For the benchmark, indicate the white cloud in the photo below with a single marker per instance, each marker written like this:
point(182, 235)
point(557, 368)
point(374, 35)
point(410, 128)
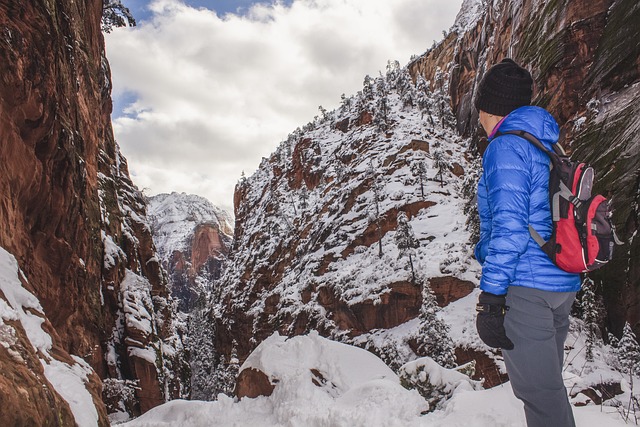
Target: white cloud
point(213, 95)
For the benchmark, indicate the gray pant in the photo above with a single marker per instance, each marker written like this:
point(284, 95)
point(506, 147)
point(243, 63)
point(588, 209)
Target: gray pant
point(538, 322)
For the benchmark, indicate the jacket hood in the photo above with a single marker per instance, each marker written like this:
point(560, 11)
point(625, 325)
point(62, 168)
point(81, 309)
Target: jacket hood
point(535, 120)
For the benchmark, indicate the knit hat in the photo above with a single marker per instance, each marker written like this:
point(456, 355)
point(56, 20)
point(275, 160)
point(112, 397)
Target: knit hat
point(505, 87)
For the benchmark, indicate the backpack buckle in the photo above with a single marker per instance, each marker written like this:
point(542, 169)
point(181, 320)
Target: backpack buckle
point(576, 202)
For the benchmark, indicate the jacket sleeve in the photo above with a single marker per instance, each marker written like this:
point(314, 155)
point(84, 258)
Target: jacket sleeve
point(508, 180)
point(485, 222)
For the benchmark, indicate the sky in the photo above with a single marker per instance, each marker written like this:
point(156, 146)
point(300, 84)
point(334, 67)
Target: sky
point(203, 90)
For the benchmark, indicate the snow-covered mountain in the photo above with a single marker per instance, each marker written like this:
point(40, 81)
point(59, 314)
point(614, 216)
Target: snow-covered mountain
point(316, 243)
point(193, 238)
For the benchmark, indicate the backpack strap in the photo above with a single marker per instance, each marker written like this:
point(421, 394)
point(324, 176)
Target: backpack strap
point(536, 236)
point(553, 155)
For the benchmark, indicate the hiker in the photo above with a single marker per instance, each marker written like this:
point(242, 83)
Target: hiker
point(525, 300)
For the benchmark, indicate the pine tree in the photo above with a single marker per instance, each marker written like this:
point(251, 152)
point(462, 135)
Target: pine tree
point(406, 241)
point(441, 164)
point(345, 104)
point(469, 190)
point(202, 351)
point(420, 170)
point(590, 313)
point(114, 15)
point(433, 335)
point(424, 98)
point(304, 197)
point(441, 99)
point(381, 118)
point(376, 187)
point(629, 351)
point(367, 88)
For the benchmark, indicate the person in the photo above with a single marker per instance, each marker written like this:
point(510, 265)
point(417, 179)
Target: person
point(525, 300)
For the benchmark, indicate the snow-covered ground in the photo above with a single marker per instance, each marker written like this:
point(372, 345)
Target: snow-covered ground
point(357, 389)
point(352, 388)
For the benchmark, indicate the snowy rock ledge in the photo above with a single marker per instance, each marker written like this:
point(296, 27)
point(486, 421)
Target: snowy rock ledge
point(335, 376)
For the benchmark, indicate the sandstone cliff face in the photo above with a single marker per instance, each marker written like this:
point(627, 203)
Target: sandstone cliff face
point(585, 60)
point(70, 215)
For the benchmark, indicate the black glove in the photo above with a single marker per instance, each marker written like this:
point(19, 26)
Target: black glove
point(490, 320)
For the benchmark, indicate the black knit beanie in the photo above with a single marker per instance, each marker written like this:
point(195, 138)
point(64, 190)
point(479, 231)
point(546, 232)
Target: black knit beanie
point(505, 87)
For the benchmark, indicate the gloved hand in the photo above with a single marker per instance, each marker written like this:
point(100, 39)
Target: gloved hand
point(490, 320)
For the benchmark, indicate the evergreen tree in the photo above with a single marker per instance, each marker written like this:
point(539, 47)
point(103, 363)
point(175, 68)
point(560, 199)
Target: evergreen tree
point(376, 187)
point(406, 241)
point(613, 340)
point(367, 88)
point(441, 164)
point(345, 104)
point(628, 351)
point(202, 351)
point(441, 99)
point(469, 190)
point(114, 15)
point(424, 98)
point(590, 313)
point(393, 73)
point(381, 118)
point(433, 335)
point(420, 170)
point(304, 197)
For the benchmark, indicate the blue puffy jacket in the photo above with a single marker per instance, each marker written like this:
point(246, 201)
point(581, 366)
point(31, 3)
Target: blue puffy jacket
point(513, 192)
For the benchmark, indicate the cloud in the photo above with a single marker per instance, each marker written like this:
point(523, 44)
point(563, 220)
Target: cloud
point(214, 94)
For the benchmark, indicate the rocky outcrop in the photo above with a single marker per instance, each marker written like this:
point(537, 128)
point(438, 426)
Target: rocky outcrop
point(253, 383)
point(585, 60)
point(69, 212)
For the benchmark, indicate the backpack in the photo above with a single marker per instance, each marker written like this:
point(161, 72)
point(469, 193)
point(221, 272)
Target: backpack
point(583, 236)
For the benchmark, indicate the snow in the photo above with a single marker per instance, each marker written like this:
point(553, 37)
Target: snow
point(348, 366)
point(470, 12)
point(355, 389)
point(21, 305)
point(112, 252)
point(69, 381)
point(175, 216)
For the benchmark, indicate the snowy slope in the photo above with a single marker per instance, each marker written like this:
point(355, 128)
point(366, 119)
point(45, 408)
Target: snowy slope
point(315, 240)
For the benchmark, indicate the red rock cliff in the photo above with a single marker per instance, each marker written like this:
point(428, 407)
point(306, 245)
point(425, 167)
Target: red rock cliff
point(68, 210)
point(585, 60)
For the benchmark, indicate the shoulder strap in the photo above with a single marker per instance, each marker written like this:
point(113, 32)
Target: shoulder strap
point(535, 141)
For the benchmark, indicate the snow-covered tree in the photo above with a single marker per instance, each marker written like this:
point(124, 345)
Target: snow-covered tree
point(424, 98)
point(114, 15)
point(590, 315)
point(433, 335)
point(440, 164)
point(345, 104)
point(469, 190)
point(381, 118)
point(420, 170)
point(406, 241)
point(442, 100)
point(368, 88)
point(628, 351)
point(377, 188)
point(202, 351)
point(304, 197)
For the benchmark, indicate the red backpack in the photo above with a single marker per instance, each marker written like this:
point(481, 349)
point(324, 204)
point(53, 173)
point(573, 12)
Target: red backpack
point(583, 236)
